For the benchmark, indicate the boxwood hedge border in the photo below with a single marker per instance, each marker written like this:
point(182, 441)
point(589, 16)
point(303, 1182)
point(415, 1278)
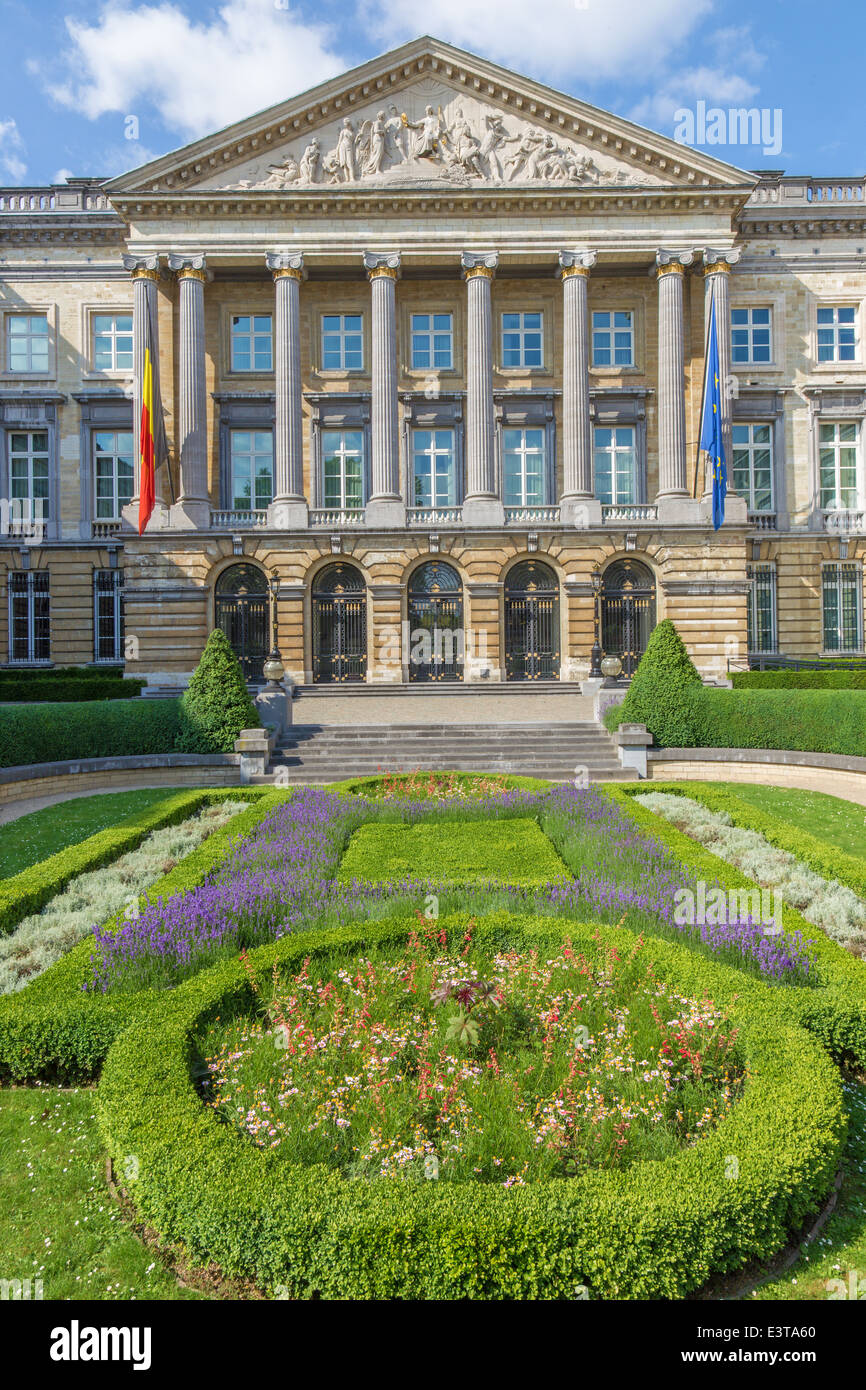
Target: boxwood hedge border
point(657, 1230)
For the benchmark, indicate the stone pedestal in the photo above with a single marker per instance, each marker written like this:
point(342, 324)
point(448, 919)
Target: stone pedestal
point(632, 742)
point(254, 748)
point(274, 705)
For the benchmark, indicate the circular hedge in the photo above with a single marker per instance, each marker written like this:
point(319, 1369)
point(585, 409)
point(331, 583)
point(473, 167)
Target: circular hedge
point(655, 1230)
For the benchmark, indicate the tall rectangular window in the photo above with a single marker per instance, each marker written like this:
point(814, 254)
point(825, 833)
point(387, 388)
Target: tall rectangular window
point(108, 615)
point(613, 338)
point(342, 342)
point(751, 336)
point(524, 467)
point(837, 456)
point(251, 337)
point(753, 465)
point(29, 631)
point(27, 344)
point(761, 613)
point(432, 341)
point(114, 472)
point(29, 472)
point(522, 344)
point(112, 342)
point(837, 334)
point(435, 483)
point(614, 459)
point(252, 470)
point(343, 468)
point(842, 602)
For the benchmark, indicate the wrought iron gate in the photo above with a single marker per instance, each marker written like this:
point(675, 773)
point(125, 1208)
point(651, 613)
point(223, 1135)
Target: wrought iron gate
point(241, 612)
point(339, 625)
point(531, 623)
point(628, 612)
point(435, 611)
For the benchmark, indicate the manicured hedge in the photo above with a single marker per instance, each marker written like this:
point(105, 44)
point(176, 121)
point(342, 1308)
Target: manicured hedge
point(799, 680)
point(53, 673)
point(825, 859)
point(509, 851)
point(656, 1230)
point(48, 733)
point(814, 721)
point(52, 1030)
point(79, 688)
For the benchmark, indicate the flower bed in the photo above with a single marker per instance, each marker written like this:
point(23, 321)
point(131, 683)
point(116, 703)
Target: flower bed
point(482, 1064)
point(656, 1229)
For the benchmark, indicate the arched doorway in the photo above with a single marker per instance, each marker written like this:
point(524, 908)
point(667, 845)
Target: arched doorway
point(628, 611)
point(241, 612)
point(339, 625)
point(435, 610)
point(531, 623)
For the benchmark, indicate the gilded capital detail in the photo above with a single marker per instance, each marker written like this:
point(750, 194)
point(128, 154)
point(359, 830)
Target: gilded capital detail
point(142, 267)
point(474, 265)
point(286, 264)
point(576, 263)
point(719, 262)
point(188, 267)
point(378, 264)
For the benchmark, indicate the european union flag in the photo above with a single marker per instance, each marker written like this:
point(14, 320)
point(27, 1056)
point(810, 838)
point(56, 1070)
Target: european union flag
point(711, 422)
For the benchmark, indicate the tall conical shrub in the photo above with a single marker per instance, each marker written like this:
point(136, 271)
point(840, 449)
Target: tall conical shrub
point(662, 691)
point(216, 704)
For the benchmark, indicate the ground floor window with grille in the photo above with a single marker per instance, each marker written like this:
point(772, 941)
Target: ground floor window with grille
point(29, 632)
point(108, 615)
point(842, 598)
point(762, 626)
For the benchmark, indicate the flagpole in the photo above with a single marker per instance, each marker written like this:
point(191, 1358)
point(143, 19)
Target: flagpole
point(704, 391)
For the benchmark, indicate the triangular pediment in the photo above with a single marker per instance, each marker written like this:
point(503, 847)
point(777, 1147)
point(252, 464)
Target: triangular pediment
point(427, 115)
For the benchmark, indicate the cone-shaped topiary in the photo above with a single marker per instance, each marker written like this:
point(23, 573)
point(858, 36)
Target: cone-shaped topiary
point(661, 691)
point(216, 705)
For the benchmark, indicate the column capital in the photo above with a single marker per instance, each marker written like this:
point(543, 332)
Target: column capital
point(286, 264)
point(576, 263)
point(142, 267)
point(719, 262)
point(384, 264)
point(188, 266)
point(673, 262)
point(483, 264)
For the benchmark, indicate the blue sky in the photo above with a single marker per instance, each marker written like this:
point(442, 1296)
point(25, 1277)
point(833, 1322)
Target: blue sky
point(81, 79)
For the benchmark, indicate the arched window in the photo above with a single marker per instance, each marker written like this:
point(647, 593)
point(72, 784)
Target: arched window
point(628, 611)
point(339, 624)
point(241, 612)
point(531, 622)
point(435, 609)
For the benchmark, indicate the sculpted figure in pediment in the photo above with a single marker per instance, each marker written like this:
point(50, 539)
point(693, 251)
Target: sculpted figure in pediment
point(395, 147)
point(526, 157)
point(463, 149)
point(309, 166)
point(430, 130)
point(345, 152)
point(496, 137)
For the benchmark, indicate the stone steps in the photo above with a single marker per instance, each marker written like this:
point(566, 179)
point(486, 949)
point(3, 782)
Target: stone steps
point(323, 753)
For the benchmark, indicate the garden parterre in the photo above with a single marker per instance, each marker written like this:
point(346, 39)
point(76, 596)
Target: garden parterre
point(669, 1227)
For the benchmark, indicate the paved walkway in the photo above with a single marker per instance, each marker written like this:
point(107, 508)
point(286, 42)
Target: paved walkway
point(442, 709)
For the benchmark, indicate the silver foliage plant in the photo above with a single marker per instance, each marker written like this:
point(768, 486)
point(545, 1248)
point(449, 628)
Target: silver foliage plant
point(825, 903)
point(41, 939)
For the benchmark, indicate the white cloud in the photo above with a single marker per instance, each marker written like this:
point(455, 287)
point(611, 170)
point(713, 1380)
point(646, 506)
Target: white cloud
point(715, 86)
point(589, 39)
point(198, 76)
point(12, 163)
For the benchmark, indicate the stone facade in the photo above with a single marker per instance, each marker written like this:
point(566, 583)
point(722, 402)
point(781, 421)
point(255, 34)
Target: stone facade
point(510, 210)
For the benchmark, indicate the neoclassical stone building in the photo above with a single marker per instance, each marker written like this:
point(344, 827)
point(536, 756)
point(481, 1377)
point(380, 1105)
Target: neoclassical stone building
point(431, 347)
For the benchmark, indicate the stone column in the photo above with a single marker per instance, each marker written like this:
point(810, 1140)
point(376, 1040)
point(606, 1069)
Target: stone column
point(717, 276)
point(385, 506)
point(193, 509)
point(577, 505)
point(481, 505)
point(288, 510)
point(673, 470)
point(145, 277)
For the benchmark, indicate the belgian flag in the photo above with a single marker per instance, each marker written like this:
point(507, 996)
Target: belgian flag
point(153, 448)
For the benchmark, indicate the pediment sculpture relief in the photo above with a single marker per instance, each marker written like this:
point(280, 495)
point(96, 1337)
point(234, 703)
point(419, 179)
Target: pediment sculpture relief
point(390, 146)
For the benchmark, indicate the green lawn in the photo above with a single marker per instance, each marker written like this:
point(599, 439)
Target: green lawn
point(58, 1222)
point(512, 851)
point(42, 833)
point(841, 1247)
point(840, 823)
